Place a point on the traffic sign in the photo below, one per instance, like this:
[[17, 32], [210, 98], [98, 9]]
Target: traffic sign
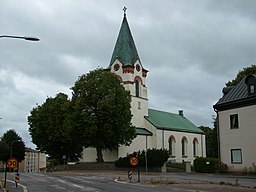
[[134, 161], [12, 162]]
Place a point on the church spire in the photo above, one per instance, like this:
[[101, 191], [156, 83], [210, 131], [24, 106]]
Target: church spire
[[125, 50], [124, 9]]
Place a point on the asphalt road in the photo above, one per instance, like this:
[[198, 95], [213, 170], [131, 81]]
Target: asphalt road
[[112, 181], [54, 182]]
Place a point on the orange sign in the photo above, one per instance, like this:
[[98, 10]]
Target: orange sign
[[12, 163], [134, 161]]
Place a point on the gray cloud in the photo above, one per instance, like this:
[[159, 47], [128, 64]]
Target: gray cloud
[[191, 49]]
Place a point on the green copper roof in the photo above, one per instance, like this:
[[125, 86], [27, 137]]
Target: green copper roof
[[142, 131], [125, 50], [171, 121]]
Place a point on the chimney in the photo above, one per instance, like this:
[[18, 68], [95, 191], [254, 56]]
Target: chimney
[[181, 113]]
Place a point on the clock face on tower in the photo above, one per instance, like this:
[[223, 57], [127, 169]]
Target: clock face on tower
[[138, 67], [116, 67]]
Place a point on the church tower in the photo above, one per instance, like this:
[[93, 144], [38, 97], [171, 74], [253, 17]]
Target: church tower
[[126, 64]]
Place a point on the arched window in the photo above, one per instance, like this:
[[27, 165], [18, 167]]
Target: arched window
[[137, 87], [172, 146], [138, 83], [195, 147], [184, 143]]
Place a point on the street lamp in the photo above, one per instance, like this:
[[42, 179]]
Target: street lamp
[[20, 37], [27, 38]]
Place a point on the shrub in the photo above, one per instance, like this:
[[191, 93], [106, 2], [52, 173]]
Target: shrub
[[206, 165], [155, 158], [222, 167]]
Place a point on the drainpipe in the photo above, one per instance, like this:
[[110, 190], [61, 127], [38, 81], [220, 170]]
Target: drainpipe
[[218, 134], [146, 158], [163, 138]]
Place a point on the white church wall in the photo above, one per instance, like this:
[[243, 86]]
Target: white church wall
[[153, 130], [163, 137], [138, 144], [90, 155], [139, 109]]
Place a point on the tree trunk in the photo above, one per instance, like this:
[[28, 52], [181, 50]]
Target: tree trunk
[[99, 155]]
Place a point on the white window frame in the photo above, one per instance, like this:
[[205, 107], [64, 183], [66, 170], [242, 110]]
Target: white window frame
[[236, 156]]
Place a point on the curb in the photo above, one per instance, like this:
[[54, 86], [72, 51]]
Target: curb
[[25, 189]]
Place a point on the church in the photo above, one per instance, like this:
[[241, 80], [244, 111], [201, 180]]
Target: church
[[154, 128]]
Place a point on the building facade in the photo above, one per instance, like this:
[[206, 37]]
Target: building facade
[[154, 128], [236, 112], [35, 161]]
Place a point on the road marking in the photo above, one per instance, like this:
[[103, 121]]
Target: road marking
[[23, 186], [136, 184], [75, 185], [58, 187], [62, 181]]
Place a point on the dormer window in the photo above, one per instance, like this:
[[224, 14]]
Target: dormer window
[[251, 89], [251, 83]]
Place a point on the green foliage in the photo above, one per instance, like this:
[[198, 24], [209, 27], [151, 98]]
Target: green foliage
[[4, 151], [155, 158], [241, 74], [206, 165], [209, 165], [211, 141], [101, 111], [51, 130], [97, 116], [11, 144], [222, 167]]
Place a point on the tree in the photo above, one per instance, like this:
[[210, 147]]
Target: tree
[[241, 74], [102, 115], [51, 131], [211, 140], [12, 146], [4, 151]]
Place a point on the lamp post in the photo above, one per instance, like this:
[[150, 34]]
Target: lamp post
[[27, 38], [20, 37]]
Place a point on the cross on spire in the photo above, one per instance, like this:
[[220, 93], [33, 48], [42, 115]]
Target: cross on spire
[[124, 9]]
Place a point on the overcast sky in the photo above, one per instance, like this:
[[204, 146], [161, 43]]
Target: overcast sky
[[191, 49]]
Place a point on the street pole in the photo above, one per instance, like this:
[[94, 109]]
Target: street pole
[[146, 154], [5, 175], [27, 38], [20, 37]]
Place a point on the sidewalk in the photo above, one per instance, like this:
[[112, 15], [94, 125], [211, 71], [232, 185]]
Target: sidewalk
[[196, 181], [249, 181], [12, 187], [10, 184]]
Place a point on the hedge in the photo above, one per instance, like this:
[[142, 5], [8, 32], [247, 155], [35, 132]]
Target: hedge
[[209, 165], [155, 158]]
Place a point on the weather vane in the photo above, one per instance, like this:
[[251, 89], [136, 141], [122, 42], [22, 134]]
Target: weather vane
[[124, 9]]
